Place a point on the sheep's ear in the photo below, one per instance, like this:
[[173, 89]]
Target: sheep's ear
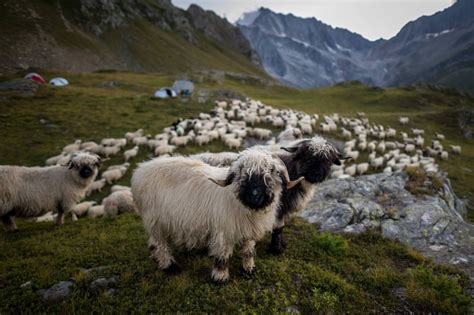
[[223, 182], [290, 149]]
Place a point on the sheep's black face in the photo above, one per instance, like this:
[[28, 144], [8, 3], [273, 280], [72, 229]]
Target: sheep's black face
[[315, 170], [254, 193], [86, 171]]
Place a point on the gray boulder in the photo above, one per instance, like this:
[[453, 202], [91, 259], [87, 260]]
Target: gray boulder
[[432, 224]]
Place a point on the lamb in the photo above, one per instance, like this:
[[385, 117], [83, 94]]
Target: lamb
[[95, 211], [346, 134], [142, 140], [95, 186], [456, 149], [440, 136], [118, 202], [33, 191], [443, 155], [111, 176], [180, 141], [403, 120], [377, 162], [240, 212], [233, 143], [164, 149], [110, 151], [354, 155], [262, 133], [131, 135], [71, 148], [362, 168], [351, 170], [128, 154], [81, 209]]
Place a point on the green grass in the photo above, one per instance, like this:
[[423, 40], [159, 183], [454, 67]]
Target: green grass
[[319, 273]]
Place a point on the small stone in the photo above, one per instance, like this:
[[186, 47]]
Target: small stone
[[103, 283], [57, 292], [27, 285]]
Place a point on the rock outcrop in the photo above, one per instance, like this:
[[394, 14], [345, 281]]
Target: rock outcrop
[[433, 224]]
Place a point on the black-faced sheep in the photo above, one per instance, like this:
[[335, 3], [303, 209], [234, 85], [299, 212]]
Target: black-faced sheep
[[33, 191], [204, 214], [308, 158]]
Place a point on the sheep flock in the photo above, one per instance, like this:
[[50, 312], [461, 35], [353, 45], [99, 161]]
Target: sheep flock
[[220, 188]]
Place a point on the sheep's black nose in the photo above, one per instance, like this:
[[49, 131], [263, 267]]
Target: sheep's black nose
[[85, 172]]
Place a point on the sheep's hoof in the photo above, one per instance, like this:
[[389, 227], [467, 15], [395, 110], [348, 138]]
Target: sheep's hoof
[[219, 281], [276, 249], [247, 273], [173, 269]]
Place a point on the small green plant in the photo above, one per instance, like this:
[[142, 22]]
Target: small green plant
[[439, 292], [422, 183], [332, 244], [323, 302]]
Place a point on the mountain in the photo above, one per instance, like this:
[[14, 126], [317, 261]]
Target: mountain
[[305, 52], [136, 35]]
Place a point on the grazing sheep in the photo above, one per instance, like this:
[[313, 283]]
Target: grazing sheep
[[95, 211], [377, 162], [403, 120], [240, 212], [410, 148], [128, 154], [131, 135], [233, 143], [142, 140], [71, 148], [118, 202], [220, 159], [362, 168], [95, 186], [180, 141], [440, 136], [81, 209], [351, 170], [261, 133], [353, 155], [455, 149], [444, 155], [54, 160], [111, 176], [33, 191], [164, 149], [110, 151], [117, 166]]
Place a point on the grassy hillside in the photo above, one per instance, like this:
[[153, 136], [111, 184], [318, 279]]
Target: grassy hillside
[[57, 35], [320, 272]]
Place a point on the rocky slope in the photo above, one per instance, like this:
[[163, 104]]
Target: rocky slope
[[306, 52], [138, 35], [433, 224]]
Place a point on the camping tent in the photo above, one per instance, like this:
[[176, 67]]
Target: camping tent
[[35, 77], [58, 82], [165, 93], [183, 87]]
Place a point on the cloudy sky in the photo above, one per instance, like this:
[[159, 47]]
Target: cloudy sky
[[371, 18]]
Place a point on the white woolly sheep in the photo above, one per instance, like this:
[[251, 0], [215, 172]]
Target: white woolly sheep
[[81, 209], [455, 149], [33, 191], [128, 154], [205, 215], [95, 211], [95, 186], [118, 202], [71, 148], [164, 149], [362, 168], [261, 133], [111, 176]]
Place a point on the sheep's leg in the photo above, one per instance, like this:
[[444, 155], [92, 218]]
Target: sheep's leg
[[162, 254], [61, 214], [248, 254], [221, 253], [9, 223], [277, 244]]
